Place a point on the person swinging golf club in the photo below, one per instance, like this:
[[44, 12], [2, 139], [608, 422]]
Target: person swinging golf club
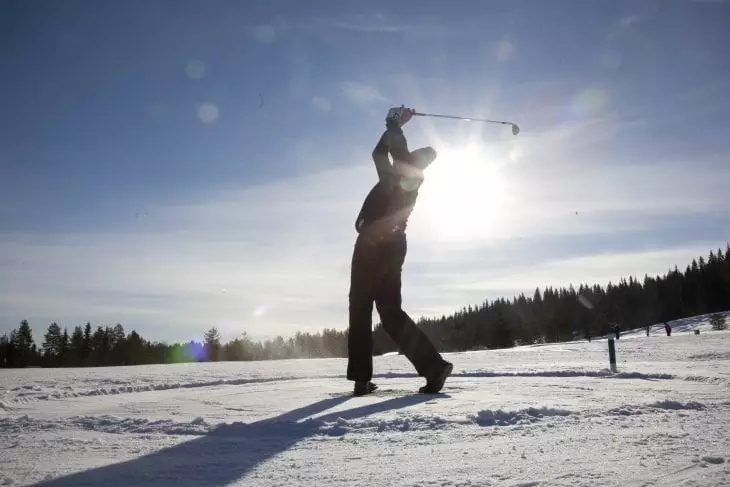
[[377, 262]]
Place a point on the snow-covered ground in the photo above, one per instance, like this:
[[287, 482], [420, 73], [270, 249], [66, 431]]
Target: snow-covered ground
[[528, 416]]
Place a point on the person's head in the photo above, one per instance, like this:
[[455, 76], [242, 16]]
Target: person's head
[[410, 174]]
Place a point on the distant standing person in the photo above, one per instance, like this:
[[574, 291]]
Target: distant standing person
[[377, 262], [668, 329], [648, 329]]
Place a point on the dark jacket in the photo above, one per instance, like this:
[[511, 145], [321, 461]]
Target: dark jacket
[[390, 202]]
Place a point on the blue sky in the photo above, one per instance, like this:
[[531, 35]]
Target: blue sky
[[176, 165]]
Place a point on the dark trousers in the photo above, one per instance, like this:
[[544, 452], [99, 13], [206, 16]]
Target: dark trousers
[[376, 278]]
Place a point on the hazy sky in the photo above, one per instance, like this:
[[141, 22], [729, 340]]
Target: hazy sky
[[176, 165]]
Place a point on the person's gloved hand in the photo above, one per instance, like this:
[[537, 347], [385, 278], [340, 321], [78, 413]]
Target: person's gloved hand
[[399, 116]]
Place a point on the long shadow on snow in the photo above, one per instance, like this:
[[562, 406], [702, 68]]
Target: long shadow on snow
[[229, 452]]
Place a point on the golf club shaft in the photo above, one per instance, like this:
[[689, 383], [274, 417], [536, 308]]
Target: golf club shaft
[[467, 119]]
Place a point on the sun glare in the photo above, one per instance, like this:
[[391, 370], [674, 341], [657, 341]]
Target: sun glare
[[462, 196]]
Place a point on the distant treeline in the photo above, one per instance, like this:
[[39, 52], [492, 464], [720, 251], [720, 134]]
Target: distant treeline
[[550, 315]]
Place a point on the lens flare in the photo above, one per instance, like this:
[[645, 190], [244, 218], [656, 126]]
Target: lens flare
[[196, 69], [590, 102], [208, 113], [260, 310]]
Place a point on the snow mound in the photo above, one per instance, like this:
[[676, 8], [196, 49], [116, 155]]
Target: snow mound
[[635, 410], [639, 375], [708, 380], [113, 424], [500, 417], [710, 356], [410, 423], [275, 429], [675, 405], [627, 410], [336, 428], [105, 424], [713, 460]]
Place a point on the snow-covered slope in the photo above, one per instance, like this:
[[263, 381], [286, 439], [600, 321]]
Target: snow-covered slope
[[535, 415], [684, 325]]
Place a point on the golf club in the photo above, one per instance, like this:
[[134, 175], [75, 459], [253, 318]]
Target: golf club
[[515, 127]]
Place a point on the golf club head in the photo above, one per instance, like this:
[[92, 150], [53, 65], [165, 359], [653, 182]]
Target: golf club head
[[515, 129]]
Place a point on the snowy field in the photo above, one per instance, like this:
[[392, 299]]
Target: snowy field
[[529, 416]]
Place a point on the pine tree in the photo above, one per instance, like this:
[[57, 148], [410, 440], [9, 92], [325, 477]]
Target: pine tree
[[212, 344], [6, 352], [65, 349], [717, 321], [52, 344], [117, 344], [134, 349], [77, 350], [87, 346], [23, 345], [99, 346]]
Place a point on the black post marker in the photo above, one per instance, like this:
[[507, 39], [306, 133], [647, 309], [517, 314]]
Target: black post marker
[[612, 354]]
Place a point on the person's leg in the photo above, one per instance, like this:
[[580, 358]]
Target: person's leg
[[360, 333], [413, 342]]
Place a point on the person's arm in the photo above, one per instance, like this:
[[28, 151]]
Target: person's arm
[[398, 146], [392, 143]]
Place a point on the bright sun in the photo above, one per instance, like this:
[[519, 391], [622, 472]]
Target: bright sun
[[462, 196]]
